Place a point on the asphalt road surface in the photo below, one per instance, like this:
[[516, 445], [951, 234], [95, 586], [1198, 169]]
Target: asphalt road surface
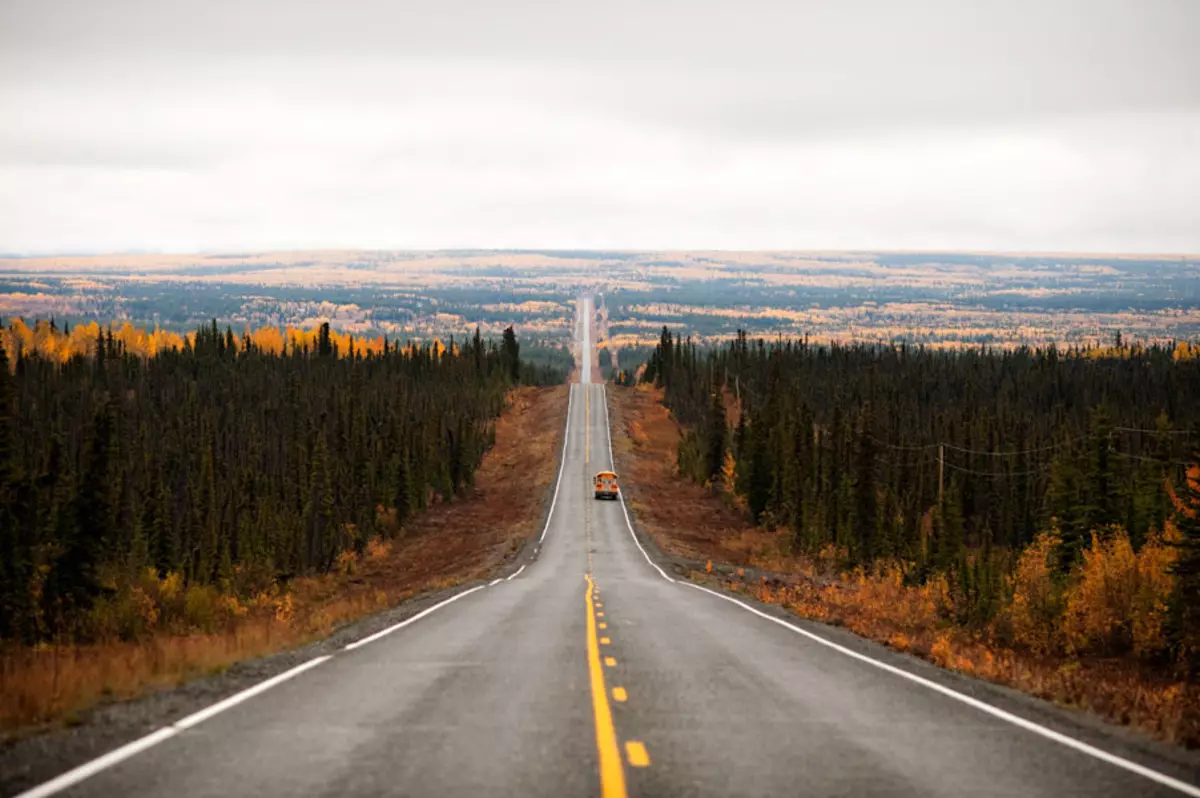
[[591, 672]]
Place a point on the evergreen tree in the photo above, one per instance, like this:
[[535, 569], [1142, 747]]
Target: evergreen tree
[[1185, 603], [511, 354], [715, 435]]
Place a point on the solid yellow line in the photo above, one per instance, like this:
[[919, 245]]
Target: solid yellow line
[[612, 772], [619, 694], [638, 757]]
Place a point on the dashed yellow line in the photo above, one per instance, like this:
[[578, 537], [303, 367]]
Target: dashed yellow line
[[619, 694], [603, 625], [638, 757], [604, 641], [610, 661], [612, 772], [599, 615]]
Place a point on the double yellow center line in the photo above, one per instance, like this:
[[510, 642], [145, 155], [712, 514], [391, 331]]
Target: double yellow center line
[[612, 772]]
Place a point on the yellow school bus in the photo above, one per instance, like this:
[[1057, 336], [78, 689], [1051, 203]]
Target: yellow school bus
[[606, 485]]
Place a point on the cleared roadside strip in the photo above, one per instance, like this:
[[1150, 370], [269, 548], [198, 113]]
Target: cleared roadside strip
[[118, 755], [562, 461], [621, 494]]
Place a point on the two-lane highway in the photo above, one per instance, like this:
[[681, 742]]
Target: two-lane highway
[[593, 672]]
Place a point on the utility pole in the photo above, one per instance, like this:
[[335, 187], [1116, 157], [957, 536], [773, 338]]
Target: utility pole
[[941, 472]]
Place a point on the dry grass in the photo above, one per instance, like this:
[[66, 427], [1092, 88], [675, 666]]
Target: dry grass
[[449, 544], [685, 519], [691, 522]]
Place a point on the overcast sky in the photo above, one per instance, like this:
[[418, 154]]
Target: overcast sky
[[213, 125]]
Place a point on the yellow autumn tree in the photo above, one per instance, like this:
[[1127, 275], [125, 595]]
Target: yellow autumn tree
[[728, 470], [1116, 600], [1036, 603], [53, 344]]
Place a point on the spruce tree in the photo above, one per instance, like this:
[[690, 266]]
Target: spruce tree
[[714, 456], [511, 355], [1185, 603]]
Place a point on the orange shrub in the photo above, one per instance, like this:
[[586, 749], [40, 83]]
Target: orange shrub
[[346, 563], [1099, 600], [1117, 600], [378, 549], [1033, 613], [1156, 583]]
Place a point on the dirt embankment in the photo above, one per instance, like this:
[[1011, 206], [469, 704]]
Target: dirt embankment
[[469, 538], [704, 538], [685, 520]]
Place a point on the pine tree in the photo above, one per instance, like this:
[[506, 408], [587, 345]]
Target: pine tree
[[948, 526], [15, 557], [324, 344], [1185, 603], [715, 435], [511, 355], [403, 496], [866, 497]]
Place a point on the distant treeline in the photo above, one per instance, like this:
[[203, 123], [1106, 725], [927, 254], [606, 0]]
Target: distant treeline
[[951, 461], [226, 464]]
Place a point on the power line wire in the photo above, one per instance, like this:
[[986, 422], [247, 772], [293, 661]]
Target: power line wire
[[981, 452], [1012, 453], [904, 448], [1184, 463], [1041, 470]]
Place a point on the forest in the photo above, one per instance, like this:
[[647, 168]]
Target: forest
[[216, 464], [960, 466]]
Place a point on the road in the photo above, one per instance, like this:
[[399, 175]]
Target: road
[[591, 673]]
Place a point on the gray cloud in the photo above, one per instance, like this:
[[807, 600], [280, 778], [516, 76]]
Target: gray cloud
[[1051, 125]]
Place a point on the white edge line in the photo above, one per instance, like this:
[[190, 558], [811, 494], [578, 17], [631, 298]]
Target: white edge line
[[514, 575], [562, 462], [116, 756], [621, 494], [982, 706], [89, 769], [495, 582], [234, 700], [407, 621], [611, 462]]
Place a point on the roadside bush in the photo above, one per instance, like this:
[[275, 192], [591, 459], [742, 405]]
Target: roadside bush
[[1117, 600], [1036, 603], [1099, 602], [201, 607], [127, 614]]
